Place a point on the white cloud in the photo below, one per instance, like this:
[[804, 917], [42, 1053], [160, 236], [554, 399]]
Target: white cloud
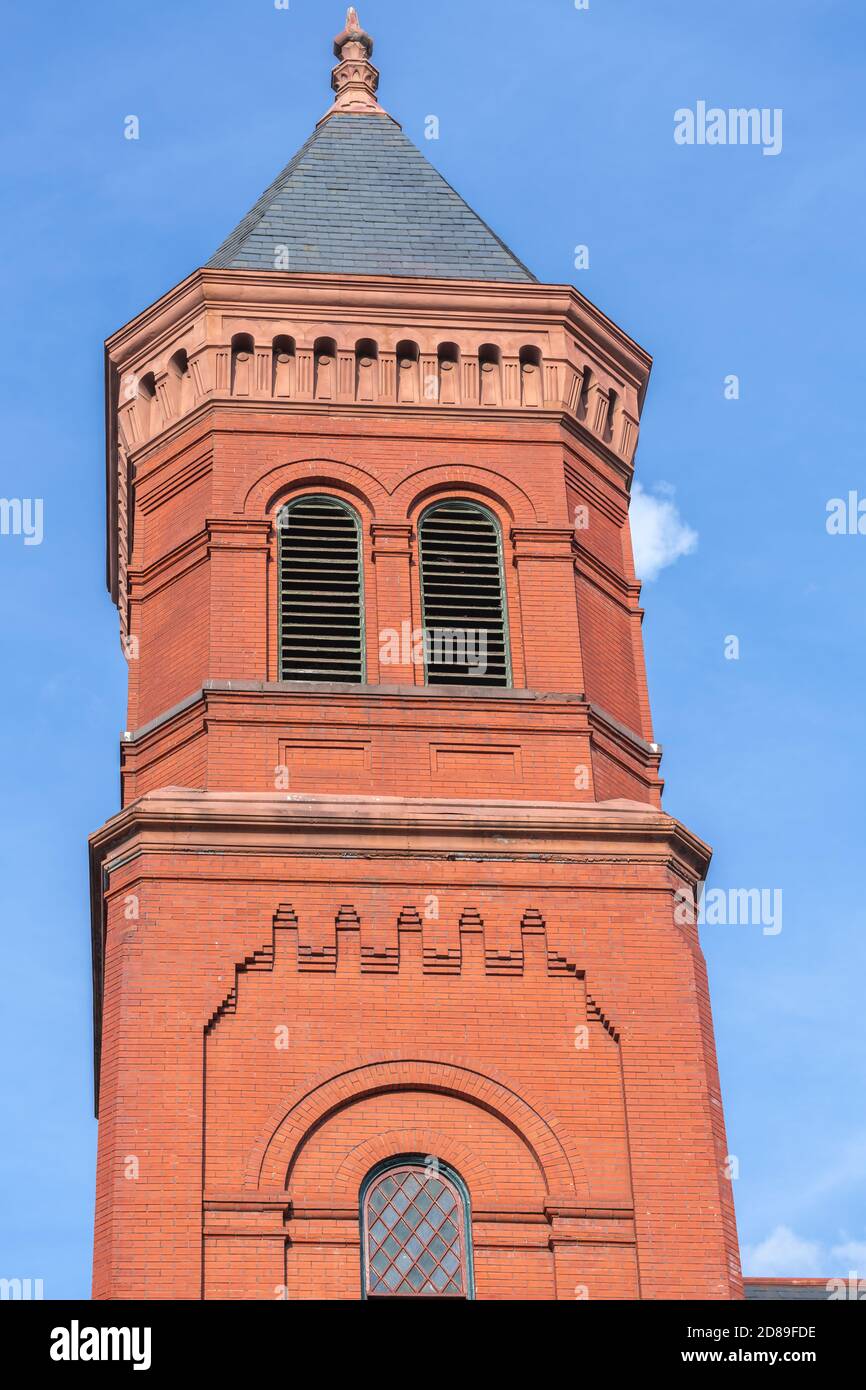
[[850, 1255], [659, 534], [784, 1255]]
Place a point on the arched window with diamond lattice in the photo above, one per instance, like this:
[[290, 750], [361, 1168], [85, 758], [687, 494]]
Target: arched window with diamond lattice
[[415, 1231]]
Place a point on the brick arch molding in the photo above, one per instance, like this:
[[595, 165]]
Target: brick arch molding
[[394, 1142], [289, 1126], [425, 484], [279, 484]]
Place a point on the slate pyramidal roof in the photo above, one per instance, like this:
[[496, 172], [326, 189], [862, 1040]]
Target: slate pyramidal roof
[[360, 199]]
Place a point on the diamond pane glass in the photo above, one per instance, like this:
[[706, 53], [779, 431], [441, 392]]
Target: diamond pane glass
[[414, 1236]]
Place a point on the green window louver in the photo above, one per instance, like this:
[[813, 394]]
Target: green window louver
[[463, 596], [320, 592]]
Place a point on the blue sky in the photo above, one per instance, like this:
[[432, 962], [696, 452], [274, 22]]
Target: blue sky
[[557, 124]]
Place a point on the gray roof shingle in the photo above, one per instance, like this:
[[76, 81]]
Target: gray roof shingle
[[787, 1290], [360, 199]]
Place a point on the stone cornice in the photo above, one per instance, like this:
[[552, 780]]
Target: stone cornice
[[560, 359], [191, 821], [354, 296]]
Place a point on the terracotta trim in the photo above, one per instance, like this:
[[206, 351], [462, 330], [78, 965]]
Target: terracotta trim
[[565, 327], [175, 811], [212, 287]]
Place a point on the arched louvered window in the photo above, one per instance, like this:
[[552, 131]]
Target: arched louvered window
[[463, 596], [320, 579], [415, 1231]]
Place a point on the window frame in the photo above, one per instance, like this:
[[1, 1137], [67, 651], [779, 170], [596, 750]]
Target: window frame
[[284, 510], [422, 1163], [503, 588]]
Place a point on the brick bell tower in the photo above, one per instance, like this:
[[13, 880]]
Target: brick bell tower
[[391, 996]]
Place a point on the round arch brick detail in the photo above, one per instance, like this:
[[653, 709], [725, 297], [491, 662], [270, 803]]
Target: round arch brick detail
[[427, 484], [393, 1142], [280, 484], [288, 1127]]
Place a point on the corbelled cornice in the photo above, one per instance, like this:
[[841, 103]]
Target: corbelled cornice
[[354, 295], [256, 340]]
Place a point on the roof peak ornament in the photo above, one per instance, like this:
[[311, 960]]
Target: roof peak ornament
[[355, 80]]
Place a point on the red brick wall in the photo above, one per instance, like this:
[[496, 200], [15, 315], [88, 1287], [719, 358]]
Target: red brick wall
[[204, 596], [538, 1020], [593, 1160]]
